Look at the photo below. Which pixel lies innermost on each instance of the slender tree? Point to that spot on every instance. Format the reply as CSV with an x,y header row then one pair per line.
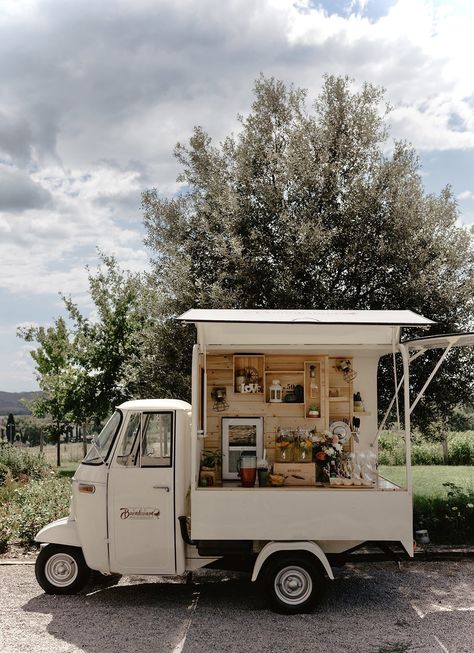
x,y
82,364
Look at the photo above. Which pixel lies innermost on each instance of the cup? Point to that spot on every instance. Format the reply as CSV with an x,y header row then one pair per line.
x,y
263,477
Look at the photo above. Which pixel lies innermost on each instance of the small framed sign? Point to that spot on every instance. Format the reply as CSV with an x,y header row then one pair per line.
x,y
240,434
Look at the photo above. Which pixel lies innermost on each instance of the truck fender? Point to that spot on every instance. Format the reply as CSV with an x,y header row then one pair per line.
x,y
61,531
276,547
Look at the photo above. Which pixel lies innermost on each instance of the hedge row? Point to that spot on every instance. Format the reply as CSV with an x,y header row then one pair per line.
x,y
460,450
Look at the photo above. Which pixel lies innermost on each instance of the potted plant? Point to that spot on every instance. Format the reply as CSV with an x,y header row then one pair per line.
x,y
313,411
210,459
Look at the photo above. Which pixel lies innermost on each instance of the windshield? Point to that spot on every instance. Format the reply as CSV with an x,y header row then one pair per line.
x,y
100,448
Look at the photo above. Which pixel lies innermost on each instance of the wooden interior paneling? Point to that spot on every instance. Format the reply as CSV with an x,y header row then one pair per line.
x,y
289,369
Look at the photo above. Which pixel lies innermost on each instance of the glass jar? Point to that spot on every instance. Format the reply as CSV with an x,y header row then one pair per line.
x,y
303,453
303,447
284,446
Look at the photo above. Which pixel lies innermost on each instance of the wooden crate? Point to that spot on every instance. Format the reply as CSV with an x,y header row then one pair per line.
x,y
296,473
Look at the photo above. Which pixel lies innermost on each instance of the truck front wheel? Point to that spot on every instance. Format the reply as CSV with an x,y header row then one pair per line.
x,y
291,583
61,569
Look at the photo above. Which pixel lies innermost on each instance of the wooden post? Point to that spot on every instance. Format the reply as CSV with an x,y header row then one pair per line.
x,y
41,441
58,447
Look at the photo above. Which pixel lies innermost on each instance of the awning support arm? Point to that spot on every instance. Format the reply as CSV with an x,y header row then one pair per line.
x,y
429,379
406,397
387,412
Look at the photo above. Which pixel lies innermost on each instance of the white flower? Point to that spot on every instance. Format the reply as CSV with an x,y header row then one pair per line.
x,y
454,508
330,451
469,505
337,447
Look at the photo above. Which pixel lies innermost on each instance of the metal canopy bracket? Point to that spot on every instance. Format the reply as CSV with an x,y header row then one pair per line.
x,y
421,346
430,378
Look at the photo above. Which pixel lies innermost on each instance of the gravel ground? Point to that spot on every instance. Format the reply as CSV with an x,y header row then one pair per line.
x,y
369,608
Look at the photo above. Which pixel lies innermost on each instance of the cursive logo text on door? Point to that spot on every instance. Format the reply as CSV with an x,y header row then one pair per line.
x,y
139,513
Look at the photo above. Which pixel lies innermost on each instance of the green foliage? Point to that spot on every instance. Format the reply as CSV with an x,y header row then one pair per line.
x,y
4,472
462,418
31,428
211,458
426,452
21,463
449,518
306,209
461,449
31,506
83,365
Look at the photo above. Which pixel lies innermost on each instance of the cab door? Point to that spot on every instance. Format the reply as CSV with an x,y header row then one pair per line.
x,y
141,516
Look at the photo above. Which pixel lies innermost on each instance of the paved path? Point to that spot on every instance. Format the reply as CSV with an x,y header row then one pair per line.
x,y
369,608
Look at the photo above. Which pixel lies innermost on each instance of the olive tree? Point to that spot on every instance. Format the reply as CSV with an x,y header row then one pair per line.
x,y
308,205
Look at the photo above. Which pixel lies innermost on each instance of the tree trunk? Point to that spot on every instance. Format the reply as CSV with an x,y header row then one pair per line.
x,y
84,439
444,444
41,441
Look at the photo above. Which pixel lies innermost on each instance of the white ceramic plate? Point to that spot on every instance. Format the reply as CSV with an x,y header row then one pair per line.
x,y
342,430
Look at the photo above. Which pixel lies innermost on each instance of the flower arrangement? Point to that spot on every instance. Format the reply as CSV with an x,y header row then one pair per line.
x,y
326,447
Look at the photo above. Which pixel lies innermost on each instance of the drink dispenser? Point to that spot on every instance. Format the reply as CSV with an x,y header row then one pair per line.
x,y
247,468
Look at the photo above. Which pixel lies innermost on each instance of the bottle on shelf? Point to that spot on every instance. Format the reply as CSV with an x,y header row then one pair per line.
x,y
313,385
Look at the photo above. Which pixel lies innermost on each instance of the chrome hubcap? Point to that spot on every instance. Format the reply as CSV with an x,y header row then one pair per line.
x,y
293,585
61,570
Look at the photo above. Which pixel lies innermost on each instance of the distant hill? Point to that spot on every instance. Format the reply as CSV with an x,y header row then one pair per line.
x,y
10,402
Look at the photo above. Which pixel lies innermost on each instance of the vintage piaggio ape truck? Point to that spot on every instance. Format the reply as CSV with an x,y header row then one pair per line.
x,y
294,389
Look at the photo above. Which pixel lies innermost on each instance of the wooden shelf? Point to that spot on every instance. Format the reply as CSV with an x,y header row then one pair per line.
x,y
340,400
285,403
284,372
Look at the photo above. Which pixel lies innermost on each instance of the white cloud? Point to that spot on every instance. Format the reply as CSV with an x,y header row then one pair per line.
x,y
47,249
466,195
94,97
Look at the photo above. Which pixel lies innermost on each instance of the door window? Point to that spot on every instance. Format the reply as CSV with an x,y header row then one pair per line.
x,y
157,440
127,454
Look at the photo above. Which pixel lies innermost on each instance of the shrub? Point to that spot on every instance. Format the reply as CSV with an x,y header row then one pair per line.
x,y
4,536
427,452
449,519
461,448
32,506
391,449
20,462
4,473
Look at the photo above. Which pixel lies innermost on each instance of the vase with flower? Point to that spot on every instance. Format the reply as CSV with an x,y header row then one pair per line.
x,y
284,443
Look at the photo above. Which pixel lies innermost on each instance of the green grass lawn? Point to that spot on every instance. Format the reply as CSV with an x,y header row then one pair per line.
x,y
428,479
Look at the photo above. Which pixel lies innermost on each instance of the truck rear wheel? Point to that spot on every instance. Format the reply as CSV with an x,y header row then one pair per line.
x,y
291,583
61,569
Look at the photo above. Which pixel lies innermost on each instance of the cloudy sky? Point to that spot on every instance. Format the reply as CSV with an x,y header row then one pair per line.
x,y
94,95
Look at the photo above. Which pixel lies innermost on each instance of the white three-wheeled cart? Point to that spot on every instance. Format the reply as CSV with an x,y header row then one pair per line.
x,y
145,503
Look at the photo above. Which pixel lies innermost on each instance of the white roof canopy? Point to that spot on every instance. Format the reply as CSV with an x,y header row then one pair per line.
x,y
251,330
394,318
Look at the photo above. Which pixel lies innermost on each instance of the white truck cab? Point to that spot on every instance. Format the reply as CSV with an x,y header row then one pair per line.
x,y
139,505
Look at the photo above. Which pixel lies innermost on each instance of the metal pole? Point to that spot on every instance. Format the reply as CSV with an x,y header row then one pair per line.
x,y
428,381
406,388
